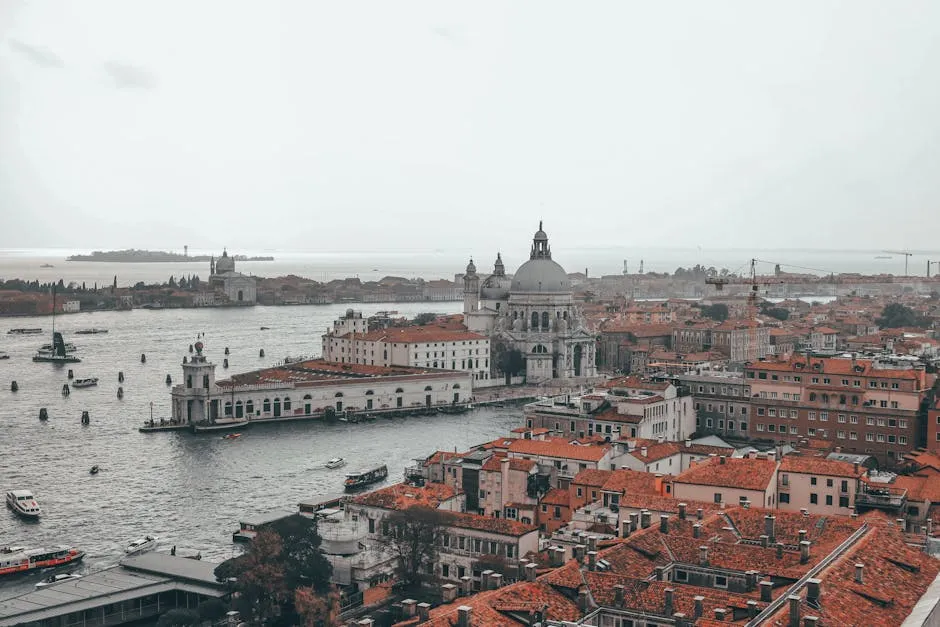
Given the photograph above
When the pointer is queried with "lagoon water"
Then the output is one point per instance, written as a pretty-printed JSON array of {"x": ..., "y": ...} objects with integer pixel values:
[{"x": 189, "y": 490}]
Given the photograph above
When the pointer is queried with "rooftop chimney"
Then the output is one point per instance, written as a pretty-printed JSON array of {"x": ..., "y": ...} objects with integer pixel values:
[
  {"x": 696, "y": 530},
  {"x": 699, "y": 607},
  {"x": 720, "y": 613},
  {"x": 466, "y": 585},
  {"x": 485, "y": 579},
  {"x": 902, "y": 524},
  {"x": 643, "y": 450},
  {"x": 448, "y": 594},
  {"x": 804, "y": 511},
  {"x": 804, "y": 551},
  {"x": 579, "y": 551},
  {"x": 618, "y": 595},
  {"x": 721, "y": 459},
  {"x": 660, "y": 573},
  {"x": 750, "y": 580},
  {"x": 554, "y": 558},
  {"x": 682, "y": 509},
  {"x": 670, "y": 598},
  {"x": 780, "y": 550},
  {"x": 752, "y": 609},
  {"x": 496, "y": 581},
  {"x": 766, "y": 591},
  {"x": 802, "y": 533},
  {"x": 424, "y": 611},
  {"x": 679, "y": 619},
  {"x": 530, "y": 571},
  {"x": 592, "y": 560},
  {"x": 764, "y": 541},
  {"x": 810, "y": 621},
  {"x": 645, "y": 517},
  {"x": 812, "y": 592},
  {"x": 770, "y": 527},
  {"x": 409, "y": 606},
  {"x": 860, "y": 573},
  {"x": 592, "y": 543},
  {"x": 634, "y": 521},
  {"x": 464, "y": 616},
  {"x": 583, "y": 600},
  {"x": 703, "y": 555},
  {"x": 688, "y": 443},
  {"x": 625, "y": 528},
  {"x": 700, "y": 513},
  {"x": 664, "y": 524},
  {"x": 794, "y": 601}
]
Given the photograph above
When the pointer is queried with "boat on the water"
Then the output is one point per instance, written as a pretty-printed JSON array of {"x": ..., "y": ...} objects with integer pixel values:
[
  {"x": 355, "y": 480},
  {"x": 48, "y": 348},
  {"x": 231, "y": 436},
  {"x": 23, "y": 503},
  {"x": 4, "y": 355},
  {"x": 95, "y": 469},
  {"x": 336, "y": 462},
  {"x": 85, "y": 383},
  {"x": 57, "y": 352},
  {"x": 224, "y": 424},
  {"x": 19, "y": 559},
  {"x": 54, "y": 579},
  {"x": 141, "y": 545},
  {"x": 90, "y": 331},
  {"x": 32, "y": 331}
]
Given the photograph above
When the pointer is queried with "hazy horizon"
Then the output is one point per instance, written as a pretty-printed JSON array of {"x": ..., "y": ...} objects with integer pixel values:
[{"x": 428, "y": 126}]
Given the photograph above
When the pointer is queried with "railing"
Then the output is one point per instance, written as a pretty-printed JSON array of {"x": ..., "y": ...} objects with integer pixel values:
[{"x": 882, "y": 497}]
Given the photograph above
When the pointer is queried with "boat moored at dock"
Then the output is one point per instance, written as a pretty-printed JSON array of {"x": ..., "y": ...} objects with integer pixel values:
[
  {"x": 141, "y": 545},
  {"x": 54, "y": 579}
]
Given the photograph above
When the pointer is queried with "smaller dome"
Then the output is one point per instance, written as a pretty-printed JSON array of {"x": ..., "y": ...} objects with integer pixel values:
[
  {"x": 471, "y": 268},
  {"x": 225, "y": 263}
]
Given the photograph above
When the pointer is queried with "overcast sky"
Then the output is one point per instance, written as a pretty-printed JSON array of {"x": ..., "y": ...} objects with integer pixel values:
[{"x": 392, "y": 125}]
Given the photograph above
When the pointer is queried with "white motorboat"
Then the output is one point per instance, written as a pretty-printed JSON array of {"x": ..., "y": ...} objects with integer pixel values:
[
  {"x": 54, "y": 579},
  {"x": 336, "y": 462},
  {"x": 85, "y": 383},
  {"x": 142, "y": 545},
  {"x": 23, "y": 503},
  {"x": 48, "y": 348}
]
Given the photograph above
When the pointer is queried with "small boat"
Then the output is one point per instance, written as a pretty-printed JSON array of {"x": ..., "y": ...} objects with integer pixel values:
[
  {"x": 85, "y": 383},
  {"x": 231, "y": 436},
  {"x": 265, "y": 328},
  {"x": 94, "y": 469},
  {"x": 142, "y": 545},
  {"x": 356, "y": 480},
  {"x": 54, "y": 579},
  {"x": 336, "y": 462},
  {"x": 18, "y": 559},
  {"x": 90, "y": 331},
  {"x": 4, "y": 355},
  {"x": 33, "y": 331},
  {"x": 23, "y": 503},
  {"x": 57, "y": 352},
  {"x": 48, "y": 348},
  {"x": 47, "y": 265}
]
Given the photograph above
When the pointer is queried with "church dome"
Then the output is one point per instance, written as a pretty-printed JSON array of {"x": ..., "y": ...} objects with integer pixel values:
[
  {"x": 224, "y": 264},
  {"x": 540, "y": 273}
]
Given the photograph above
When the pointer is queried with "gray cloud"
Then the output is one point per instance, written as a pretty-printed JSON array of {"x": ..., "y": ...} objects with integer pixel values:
[
  {"x": 127, "y": 76},
  {"x": 38, "y": 55}
]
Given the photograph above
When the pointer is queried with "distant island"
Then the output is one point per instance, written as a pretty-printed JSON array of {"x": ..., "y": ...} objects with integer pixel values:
[{"x": 151, "y": 256}]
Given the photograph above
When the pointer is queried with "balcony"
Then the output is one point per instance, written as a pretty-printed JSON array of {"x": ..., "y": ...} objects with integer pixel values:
[{"x": 881, "y": 497}]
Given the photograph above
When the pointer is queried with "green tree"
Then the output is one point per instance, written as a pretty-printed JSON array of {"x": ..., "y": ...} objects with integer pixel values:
[
  {"x": 304, "y": 563},
  {"x": 897, "y": 315},
  {"x": 777, "y": 312},
  {"x": 413, "y": 537},
  {"x": 424, "y": 318},
  {"x": 718, "y": 311}
]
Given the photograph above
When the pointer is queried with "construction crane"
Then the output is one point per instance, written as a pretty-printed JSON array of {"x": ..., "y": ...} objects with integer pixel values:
[
  {"x": 907, "y": 256},
  {"x": 932, "y": 263},
  {"x": 752, "y": 308}
]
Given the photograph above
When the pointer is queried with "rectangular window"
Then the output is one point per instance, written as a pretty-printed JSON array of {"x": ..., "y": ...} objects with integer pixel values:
[
  {"x": 811, "y": 431},
  {"x": 682, "y": 575},
  {"x": 843, "y": 501},
  {"x": 718, "y": 497},
  {"x": 828, "y": 499},
  {"x": 902, "y": 439},
  {"x": 824, "y": 416},
  {"x": 902, "y": 424},
  {"x": 828, "y": 483},
  {"x": 840, "y": 435},
  {"x": 853, "y": 435},
  {"x": 869, "y": 437},
  {"x": 784, "y": 497},
  {"x": 881, "y": 437},
  {"x": 721, "y": 581},
  {"x": 814, "y": 498},
  {"x": 811, "y": 415},
  {"x": 771, "y": 412},
  {"x": 881, "y": 422},
  {"x": 869, "y": 421},
  {"x": 842, "y": 418},
  {"x": 760, "y": 427},
  {"x": 844, "y": 486},
  {"x": 772, "y": 428},
  {"x": 812, "y": 480}
]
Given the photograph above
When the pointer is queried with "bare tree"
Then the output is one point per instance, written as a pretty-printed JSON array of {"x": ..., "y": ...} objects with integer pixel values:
[{"x": 414, "y": 535}]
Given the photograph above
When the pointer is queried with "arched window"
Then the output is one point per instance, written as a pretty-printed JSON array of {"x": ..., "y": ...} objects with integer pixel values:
[
  {"x": 456, "y": 386},
  {"x": 250, "y": 407},
  {"x": 539, "y": 348},
  {"x": 287, "y": 403},
  {"x": 338, "y": 395},
  {"x": 565, "y": 315},
  {"x": 545, "y": 318},
  {"x": 812, "y": 396},
  {"x": 535, "y": 320},
  {"x": 842, "y": 399},
  {"x": 399, "y": 391},
  {"x": 266, "y": 406},
  {"x": 515, "y": 315},
  {"x": 307, "y": 397},
  {"x": 369, "y": 392},
  {"x": 239, "y": 410},
  {"x": 427, "y": 388},
  {"x": 854, "y": 400},
  {"x": 825, "y": 398}
]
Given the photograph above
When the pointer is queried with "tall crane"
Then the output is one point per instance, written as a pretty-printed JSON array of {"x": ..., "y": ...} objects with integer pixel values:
[
  {"x": 719, "y": 282},
  {"x": 907, "y": 256}
]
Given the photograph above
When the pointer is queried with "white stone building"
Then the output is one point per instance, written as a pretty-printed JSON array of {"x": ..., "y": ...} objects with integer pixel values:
[
  {"x": 533, "y": 313},
  {"x": 237, "y": 288},
  {"x": 427, "y": 346}
]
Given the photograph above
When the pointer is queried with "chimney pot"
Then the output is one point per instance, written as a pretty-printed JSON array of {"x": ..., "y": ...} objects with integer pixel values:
[
  {"x": 700, "y": 513},
  {"x": 583, "y": 600},
  {"x": 752, "y": 609},
  {"x": 696, "y": 530},
  {"x": 664, "y": 523},
  {"x": 703, "y": 555},
  {"x": 670, "y": 594},
  {"x": 424, "y": 611},
  {"x": 812, "y": 592},
  {"x": 448, "y": 594},
  {"x": 682, "y": 510},
  {"x": 721, "y": 459},
  {"x": 579, "y": 551},
  {"x": 592, "y": 543},
  {"x": 802, "y": 533},
  {"x": 485, "y": 579},
  {"x": 592, "y": 560},
  {"x": 860, "y": 573},
  {"x": 902, "y": 524},
  {"x": 409, "y": 606},
  {"x": 810, "y": 621},
  {"x": 643, "y": 450},
  {"x": 464, "y": 616},
  {"x": 660, "y": 573},
  {"x": 720, "y": 613},
  {"x": 764, "y": 540},
  {"x": 804, "y": 551},
  {"x": 466, "y": 585},
  {"x": 645, "y": 518},
  {"x": 780, "y": 550},
  {"x": 794, "y": 602},
  {"x": 618, "y": 595},
  {"x": 699, "y": 607},
  {"x": 530, "y": 571},
  {"x": 625, "y": 528},
  {"x": 766, "y": 591},
  {"x": 679, "y": 619},
  {"x": 496, "y": 581},
  {"x": 770, "y": 523}
]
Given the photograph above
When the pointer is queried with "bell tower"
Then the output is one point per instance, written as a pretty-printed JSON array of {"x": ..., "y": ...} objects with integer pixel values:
[
  {"x": 471, "y": 289},
  {"x": 191, "y": 401}
]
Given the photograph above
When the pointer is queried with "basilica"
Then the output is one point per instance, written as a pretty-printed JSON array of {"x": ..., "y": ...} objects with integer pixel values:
[
  {"x": 531, "y": 315},
  {"x": 231, "y": 287}
]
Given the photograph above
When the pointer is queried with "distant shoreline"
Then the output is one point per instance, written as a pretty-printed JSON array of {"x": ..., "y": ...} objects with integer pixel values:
[{"x": 152, "y": 256}]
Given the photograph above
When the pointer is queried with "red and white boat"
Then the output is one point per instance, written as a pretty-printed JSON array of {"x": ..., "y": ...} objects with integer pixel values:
[
  {"x": 18, "y": 559},
  {"x": 23, "y": 503}
]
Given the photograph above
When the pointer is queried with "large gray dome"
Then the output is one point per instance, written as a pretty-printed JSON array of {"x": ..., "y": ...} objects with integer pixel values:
[{"x": 540, "y": 275}]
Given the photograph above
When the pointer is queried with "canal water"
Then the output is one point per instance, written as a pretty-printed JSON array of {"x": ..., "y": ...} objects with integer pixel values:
[{"x": 189, "y": 490}]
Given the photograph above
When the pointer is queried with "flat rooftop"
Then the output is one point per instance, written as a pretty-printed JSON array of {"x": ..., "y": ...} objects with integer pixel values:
[{"x": 320, "y": 371}]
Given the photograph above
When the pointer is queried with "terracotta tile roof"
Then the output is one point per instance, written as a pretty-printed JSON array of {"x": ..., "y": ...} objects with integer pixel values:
[
  {"x": 592, "y": 477},
  {"x": 837, "y": 366},
  {"x": 557, "y": 449},
  {"x": 924, "y": 459},
  {"x": 922, "y": 487},
  {"x": 556, "y": 496},
  {"x": 895, "y": 577},
  {"x": 495, "y": 464},
  {"x": 819, "y": 466},
  {"x": 493, "y": 525},
  {"x": 822, "y": 531},
  {"x": 741, "y": 473},
  {"x": 402, "y": 496},
  {"x": 633, "y": 383},
  {"x": 440, "y": 456},
  {"x": 495, "y": 607},
  {"x": 627, "y": 481},
  {"x": 417, "y": 335}
]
